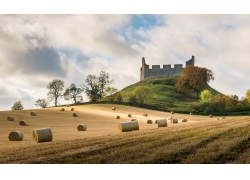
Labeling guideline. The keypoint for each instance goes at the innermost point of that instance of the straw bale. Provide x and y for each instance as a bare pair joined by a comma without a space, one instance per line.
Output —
125,126
172,112
68,105
223,117
217,118
184,120
135,125
129,115
62,109
117,117
191,113
42,135
210,115
74,114
33,113
149,121
174,120
155,121
146,115
133,119
162,123
22,123
113,108
82,127
10,118
72,109
169,118
16,136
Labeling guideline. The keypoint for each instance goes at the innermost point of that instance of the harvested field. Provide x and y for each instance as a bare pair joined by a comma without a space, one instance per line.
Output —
201,140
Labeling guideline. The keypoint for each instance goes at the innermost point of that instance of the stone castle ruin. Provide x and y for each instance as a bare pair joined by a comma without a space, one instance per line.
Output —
166,71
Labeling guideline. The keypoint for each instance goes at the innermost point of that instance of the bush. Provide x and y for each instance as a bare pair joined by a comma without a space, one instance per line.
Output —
17,106
132,100
119,98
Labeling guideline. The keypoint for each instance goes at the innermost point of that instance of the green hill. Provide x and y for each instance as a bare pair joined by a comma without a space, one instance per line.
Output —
164,95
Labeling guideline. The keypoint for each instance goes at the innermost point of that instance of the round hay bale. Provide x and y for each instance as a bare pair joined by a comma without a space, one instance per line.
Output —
33,113
42,135
223,117
210,115
174,120
184,120
74,114
117,117
155,121
16,136
72,109
133,119
68,105
113,108
169,118
10,118
149,121
82,127
162,123
125,126
135,125
62,109
172,112
191,113
217,118
146,115
22,123
129,115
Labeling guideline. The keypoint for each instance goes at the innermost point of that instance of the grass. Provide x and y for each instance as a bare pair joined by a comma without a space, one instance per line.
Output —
203,141
164,95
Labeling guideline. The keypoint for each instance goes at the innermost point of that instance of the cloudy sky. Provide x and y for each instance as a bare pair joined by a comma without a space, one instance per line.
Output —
35,49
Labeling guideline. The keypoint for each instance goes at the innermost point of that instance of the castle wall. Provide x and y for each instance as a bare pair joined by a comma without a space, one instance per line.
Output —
166,71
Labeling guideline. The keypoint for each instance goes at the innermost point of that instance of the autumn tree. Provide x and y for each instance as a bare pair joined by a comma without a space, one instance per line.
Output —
55,88
74,93
206,96
194,77
248,95
42,103
142,93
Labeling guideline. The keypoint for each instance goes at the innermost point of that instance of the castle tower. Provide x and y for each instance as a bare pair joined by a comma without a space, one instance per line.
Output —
190,62
142,69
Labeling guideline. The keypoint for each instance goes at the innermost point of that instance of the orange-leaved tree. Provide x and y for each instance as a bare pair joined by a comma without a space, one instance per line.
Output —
194,77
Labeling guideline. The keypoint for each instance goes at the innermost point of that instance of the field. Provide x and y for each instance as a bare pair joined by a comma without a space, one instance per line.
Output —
198,141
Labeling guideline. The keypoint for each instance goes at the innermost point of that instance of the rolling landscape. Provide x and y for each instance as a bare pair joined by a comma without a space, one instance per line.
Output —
199,140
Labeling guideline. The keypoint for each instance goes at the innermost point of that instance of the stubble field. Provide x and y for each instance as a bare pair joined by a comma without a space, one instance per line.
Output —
200,140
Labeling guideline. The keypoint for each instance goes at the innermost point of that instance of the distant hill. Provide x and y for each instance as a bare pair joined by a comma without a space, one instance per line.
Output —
165,97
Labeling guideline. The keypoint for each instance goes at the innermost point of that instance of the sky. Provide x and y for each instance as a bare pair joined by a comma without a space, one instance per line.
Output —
38,47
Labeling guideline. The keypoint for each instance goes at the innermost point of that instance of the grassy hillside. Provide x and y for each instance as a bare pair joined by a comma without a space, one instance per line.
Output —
165,97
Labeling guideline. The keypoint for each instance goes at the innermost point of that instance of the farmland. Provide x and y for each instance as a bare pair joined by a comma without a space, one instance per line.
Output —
198,141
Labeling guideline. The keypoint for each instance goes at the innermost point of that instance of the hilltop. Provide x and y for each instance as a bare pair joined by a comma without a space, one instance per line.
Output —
164,95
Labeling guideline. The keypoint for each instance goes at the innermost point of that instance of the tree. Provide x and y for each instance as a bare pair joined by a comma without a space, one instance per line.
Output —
110,92
96,85
42,103
194,77
248,95
142,93
55,88
17,106
206,96
74,93
119,98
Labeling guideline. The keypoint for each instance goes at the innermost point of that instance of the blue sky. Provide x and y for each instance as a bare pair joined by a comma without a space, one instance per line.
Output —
39,48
